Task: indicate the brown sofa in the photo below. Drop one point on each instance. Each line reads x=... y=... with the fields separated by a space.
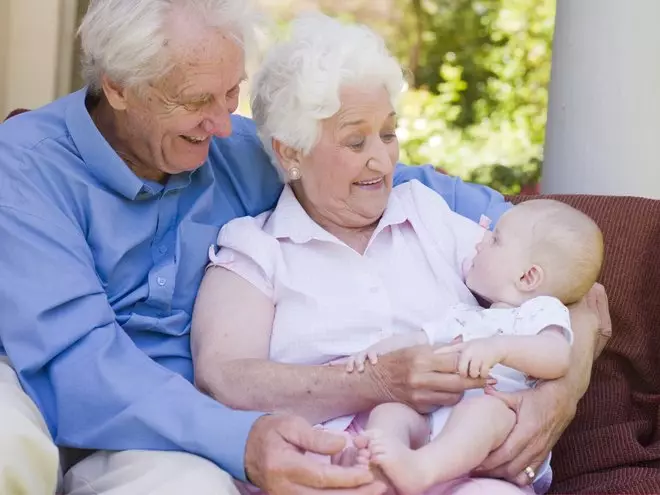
x=613 y=445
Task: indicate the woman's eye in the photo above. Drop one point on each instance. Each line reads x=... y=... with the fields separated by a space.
x=356 y=145
x=387 y=138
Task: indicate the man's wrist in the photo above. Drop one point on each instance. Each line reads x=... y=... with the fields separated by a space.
x=565 y=392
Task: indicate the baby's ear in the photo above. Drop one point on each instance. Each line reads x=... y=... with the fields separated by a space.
x=531 y=279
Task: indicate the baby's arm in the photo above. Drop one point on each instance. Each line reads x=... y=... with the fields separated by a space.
x=545 y=355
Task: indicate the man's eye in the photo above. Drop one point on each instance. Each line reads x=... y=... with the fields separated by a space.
x=356 y=145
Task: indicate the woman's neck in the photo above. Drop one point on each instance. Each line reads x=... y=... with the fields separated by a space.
x=357 y=238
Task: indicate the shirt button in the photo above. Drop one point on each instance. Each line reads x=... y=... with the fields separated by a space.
x=161 y=281
x=162 y=250
x=374 y=290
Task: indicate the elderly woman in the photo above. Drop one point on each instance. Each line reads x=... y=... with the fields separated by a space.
x=336 y=264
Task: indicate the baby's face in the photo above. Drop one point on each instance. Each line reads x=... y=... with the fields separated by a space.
x=501 y=258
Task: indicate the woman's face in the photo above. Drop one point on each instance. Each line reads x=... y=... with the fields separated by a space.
x=347 y=178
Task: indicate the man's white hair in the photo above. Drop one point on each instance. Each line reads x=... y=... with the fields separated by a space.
x=127 y=40
x=298 y=84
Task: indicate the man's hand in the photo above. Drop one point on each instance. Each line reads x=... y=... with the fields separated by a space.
x=421 y=378
x=275 y=460
x=477 y=357
x=593 y=312
x=542 y=415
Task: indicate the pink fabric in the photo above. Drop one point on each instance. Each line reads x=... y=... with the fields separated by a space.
x=460 y=486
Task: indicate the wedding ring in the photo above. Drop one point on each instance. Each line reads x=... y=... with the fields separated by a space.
x=530 y=473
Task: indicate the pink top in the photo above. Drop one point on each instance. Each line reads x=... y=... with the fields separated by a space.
x=331 y=301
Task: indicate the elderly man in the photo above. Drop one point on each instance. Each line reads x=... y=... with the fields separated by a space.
x=109 y=200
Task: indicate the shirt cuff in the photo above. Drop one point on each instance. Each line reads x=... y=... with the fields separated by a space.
x=231 y=446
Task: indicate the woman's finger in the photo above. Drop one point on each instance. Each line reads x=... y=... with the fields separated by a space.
x=451 y=383
x=448 y=349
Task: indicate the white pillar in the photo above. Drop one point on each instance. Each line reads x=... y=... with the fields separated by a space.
x=603 y=131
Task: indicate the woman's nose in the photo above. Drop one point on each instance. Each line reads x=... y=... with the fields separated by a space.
x=381 y=161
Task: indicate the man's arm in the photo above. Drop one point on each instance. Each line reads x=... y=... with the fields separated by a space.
x=230 y=351
x=95 y=388
x=466 y=199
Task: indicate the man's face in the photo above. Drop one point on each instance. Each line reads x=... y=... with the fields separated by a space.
x=167 y=126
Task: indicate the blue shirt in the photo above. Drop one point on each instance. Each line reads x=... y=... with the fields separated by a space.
x=99 y=270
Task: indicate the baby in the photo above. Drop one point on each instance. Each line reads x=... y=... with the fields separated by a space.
x=542 y=255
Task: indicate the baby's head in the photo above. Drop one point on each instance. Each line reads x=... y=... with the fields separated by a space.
x=539 y=247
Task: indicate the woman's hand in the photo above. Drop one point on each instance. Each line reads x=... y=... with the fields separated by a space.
x=275 y=460
x=420 y=378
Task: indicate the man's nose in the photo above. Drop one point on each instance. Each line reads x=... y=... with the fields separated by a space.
x=218 y=122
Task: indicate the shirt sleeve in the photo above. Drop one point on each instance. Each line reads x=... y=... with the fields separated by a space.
x=94 y=386
x=246 y=250
x=467 y=199
x=542 y=312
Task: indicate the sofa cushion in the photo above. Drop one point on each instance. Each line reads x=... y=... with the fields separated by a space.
x=613 y=445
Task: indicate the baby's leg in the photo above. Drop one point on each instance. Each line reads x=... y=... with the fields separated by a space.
x=400 y=422
x=475 y=427
x=396 y=424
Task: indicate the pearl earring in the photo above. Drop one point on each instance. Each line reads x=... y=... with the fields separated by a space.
x=294 y=173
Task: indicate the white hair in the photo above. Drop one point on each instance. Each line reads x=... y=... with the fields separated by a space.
x=127 y=40
x=298 y=84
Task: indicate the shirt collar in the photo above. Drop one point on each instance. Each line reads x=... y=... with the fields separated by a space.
x=104 y=163
x=290 y=221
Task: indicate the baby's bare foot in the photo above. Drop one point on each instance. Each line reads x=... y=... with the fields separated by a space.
x=401 y=465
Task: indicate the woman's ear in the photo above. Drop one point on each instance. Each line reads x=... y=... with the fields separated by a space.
x=287 y=156
x=531 y=279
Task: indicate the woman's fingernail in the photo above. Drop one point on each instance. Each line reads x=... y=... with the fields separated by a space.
x=491 y=381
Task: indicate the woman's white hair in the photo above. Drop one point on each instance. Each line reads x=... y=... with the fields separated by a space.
x=298 y=84
x=127 y=40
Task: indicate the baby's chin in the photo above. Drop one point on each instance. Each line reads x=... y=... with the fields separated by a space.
x=466 y=268
x=469 y=282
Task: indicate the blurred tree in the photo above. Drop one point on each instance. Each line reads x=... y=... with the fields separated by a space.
x=478 y=72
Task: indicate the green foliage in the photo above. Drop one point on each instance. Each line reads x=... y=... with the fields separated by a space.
x=478 y=72
x=478 y=96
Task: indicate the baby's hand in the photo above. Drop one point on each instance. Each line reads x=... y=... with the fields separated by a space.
x=356 y=361
x=476 y=357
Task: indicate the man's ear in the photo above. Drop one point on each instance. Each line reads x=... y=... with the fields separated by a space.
x=288 y=157
x=531 y=279
x=114 y=93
